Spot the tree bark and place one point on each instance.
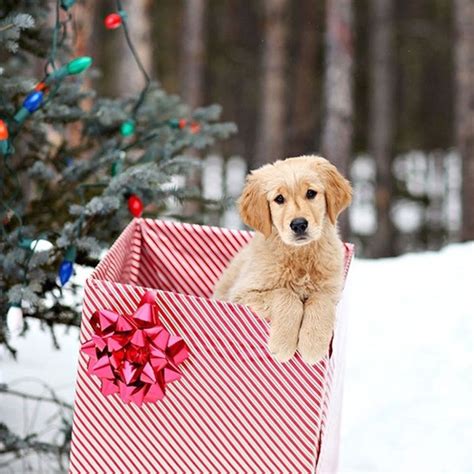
(192, 63)
(82, 44)
(302, 120)
(130, 79)
(464, 108)
(193, 52)
(271, 126)
(83, 14)
(381, 121)
(338, 127)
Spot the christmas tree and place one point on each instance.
(77, 166)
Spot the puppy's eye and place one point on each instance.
(279, 199)
(311, 194)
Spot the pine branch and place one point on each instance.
(65, 190)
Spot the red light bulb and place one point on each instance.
(112, 21)
(3, 130)
(195, 128)
(182, 123)
(135, 205)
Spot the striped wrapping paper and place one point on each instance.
(236, 409)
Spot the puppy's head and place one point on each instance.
(296, 196)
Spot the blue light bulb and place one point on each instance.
(67, 265)
(33, 101)
(65, 271)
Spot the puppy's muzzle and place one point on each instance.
(299, 225)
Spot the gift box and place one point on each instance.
(173, 381)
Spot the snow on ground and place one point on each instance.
(408, 385)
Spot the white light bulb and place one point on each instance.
(15, 319)
(41, 245)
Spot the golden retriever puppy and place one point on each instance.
(291, 272)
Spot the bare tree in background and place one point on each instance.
(193, 52)
(139, 22)
(338, 127)
(191, 71)
(83, 26)
(302, 105)
(82, 45)
(381, 120)
(464, 108)
(271, 125)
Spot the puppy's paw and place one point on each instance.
(261, 309)
(281, 347)
(282, 353)
(312, 347)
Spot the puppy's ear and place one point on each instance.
(254, 208)
(338, 190)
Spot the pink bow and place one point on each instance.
(134, 356)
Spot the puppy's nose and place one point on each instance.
(299, 225)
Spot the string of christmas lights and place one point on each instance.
(42, 93)
(113, 21)
(33, 101)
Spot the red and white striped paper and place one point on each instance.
(236, 409)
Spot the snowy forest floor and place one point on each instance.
(408, 383)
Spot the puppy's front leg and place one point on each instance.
(317, 327)
(286, 312)
(284, 309)
(258, 300)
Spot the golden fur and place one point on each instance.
(292, 280)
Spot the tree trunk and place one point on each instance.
(130, 79)
(83, 13)
(271, 126)
(381, 121)
(193, 52)
(192, 77)
(464, 108)
(302, 120)
(338, 126)
(82, 44)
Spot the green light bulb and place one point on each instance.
(78, 65)
(174, 123)
(127, 128)
(66, 4)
